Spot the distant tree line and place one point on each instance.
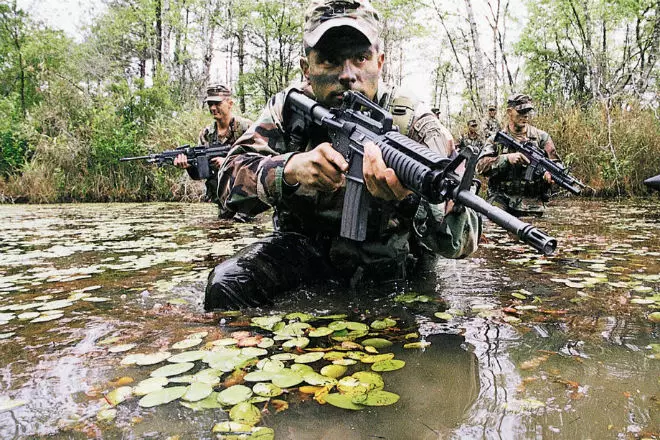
(69, 110)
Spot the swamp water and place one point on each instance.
(504, 345)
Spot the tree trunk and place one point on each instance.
(478, 58)
(159, 31)
(240, 57)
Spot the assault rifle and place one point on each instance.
(425, 172)
(539, 164)
(653, 182)
(198, 156)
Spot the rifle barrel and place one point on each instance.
(125, 159)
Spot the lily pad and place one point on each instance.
(300, 342)
(314, 378)
(245, 413)
(287, 378)
(118, 395)
(153, 358)
(46, 318)
(172, 369)
(231, 427)
(334, 371)
(54, 305)
(259, 376)
(370, 359)
(187, 356)
(266, 389)
(390, 365)
(234, 395)
(210, 402)
(160, 397)
(197, 391)
(121, 348)
(320, 332)
(376, 398)
(342, 401)
(308, 358)
(377, 343)
(186, 343)
(150, 385)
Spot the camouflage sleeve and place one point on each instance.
(546, 143)
(491, 162)
(251, 177)
(454, 235)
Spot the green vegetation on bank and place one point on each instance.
(70, 110)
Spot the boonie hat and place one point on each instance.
(520, 102)
(217, 93)
(323, 15)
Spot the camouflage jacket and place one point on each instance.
(252, 181)
(475, 142)
(491, 126)
(209, 135)
(506, 182)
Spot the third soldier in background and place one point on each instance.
(472, 139)
(491, 125)
(224, 130)
(505, 169)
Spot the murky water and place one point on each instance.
(553, 348)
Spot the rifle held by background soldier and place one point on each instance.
(539, 164)
(198, 156)
(425, 172)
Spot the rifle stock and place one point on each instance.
(420, 169)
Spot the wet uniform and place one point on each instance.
(473, 142)
(507, 187)
(491, 126)
(306, 245)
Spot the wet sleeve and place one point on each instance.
(455, 235)
(490, 162)
(251, 177)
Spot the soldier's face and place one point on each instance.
(491, 113)
(221, 110)
(519, 120)
(342, 61)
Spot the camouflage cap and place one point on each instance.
(492, 107)
(472, 123)
(520, 102)
(322, 15)
(217, 93)
(435, 110)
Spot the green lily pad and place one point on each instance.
(270, 365)
(231, 427)
(654, 317)
(418, 345)
(46, 318)
(118, 395)
(286, 378)
(316, 379)
(225, 342)
(160, 397)
(28, 315)
(383, 324)
(245, 413)
(266, 343)
(301, 368)
(342, 401)
(172, 369)
(302, 317)
(210, 402)
(96, 299)
(320, 332)
(54, 305)
(234, 394)
(106, 415)
(357, 326)
(266, 389)
(308, 358)
(370, 359)
(262, 433)
(197, 391)
(259, 376)
(390, 365)
(284, 357)
(337, 325)
(150, 385)
(254, 352)
(374, 380)
(186, 343)
(300, 342)
(209, 376)
(187, 356)
(266, 322)
(121, 348)
(334, 371)
(153, 358)
(7, 335)
(333, 317)
(376, 398)
(376, 343)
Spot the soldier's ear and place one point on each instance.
(304, 66)
(381, 60)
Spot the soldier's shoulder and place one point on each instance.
(537, 133)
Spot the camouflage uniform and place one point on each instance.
(507, 186)
(308, 222)
(471, 140)
(491, 126)
(209, 135)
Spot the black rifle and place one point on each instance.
(539, 164)
(420, 169)
(653, 182)
(198, 157)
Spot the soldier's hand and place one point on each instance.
(181, 161)
(216, 162)
(321, 169)
(548, 177)
(380, 180)
(517, 158)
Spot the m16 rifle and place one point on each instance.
(198, 157)
(425, 172)
(539, 164)
(653, 182)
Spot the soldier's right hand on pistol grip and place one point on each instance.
(517, 158)
(181, 161)
(321, 169)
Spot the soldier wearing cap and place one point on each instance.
(304, 179)
(491, 125)
(225, 130)
(505, 169)
(472, 139)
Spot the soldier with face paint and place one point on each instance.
(304, 179)
(505, 170)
